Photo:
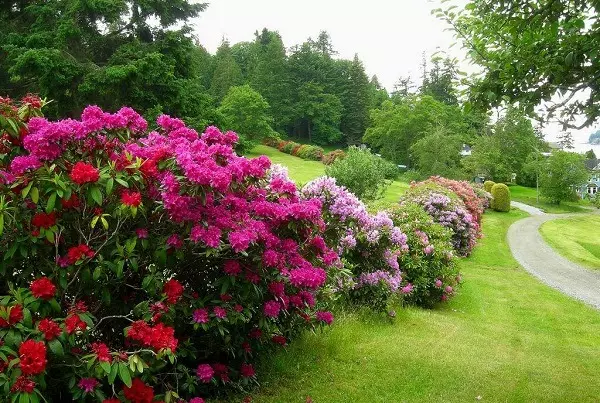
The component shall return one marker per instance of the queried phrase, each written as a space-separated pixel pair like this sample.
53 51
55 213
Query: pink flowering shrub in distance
370 245
474 201
145 266
447 209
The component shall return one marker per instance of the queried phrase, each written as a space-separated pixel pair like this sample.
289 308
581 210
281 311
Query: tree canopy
534 52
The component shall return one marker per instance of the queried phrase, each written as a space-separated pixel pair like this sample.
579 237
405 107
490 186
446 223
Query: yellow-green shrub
487 186
501 195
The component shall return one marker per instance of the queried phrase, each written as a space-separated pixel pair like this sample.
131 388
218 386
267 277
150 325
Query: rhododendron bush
447 209
370 246
140 266
430 264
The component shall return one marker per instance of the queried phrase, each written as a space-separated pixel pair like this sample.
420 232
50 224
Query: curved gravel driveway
538 258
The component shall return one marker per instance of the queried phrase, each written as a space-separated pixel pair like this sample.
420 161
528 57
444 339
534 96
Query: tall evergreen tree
227 73
378 93
271 77
356 101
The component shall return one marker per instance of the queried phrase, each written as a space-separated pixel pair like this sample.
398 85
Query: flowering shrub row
448 210
141 266
304 151
370 246
331 156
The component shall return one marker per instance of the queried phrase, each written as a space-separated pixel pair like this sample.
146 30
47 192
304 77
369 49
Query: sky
389 36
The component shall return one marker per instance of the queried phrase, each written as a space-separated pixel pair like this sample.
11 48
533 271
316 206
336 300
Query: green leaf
51 202
104 223
105 366
50 236
1 224
124 374
123 183
94 221
96 195
25 191
109 185
35 195
56 347
114 370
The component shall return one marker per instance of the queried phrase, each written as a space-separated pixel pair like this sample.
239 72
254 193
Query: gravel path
538 258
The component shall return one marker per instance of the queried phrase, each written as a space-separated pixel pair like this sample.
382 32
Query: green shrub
331 156
501 195
289 147
310 152
429 264
361 172
487 186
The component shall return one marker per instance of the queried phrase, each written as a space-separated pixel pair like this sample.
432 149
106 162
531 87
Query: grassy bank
504 337
529 196
575 238
302 171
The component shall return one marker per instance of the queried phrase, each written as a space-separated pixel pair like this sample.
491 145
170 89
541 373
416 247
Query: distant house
466 150
591 188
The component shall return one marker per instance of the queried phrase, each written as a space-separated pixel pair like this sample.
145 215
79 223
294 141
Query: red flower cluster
78 252
23 384
84 173
139 392
173 290
15 316
132 199
72 202
102 352
43 220
74 323
50 328
157 337
43 288
33 357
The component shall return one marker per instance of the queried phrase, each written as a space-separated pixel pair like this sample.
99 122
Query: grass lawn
504 337
575 238
302 171
528 196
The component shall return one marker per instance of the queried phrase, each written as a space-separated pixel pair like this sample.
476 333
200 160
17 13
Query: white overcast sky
389 36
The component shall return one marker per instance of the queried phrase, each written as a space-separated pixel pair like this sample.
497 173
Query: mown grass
528 196
576 238
302 171
504 337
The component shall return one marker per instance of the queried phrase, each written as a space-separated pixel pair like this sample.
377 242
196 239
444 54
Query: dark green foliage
109 52
501 197
590 155
487 186
226 74
561 174
356 101
361 172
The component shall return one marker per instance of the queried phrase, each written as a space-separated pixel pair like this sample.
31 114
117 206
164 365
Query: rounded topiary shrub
487 186
147 264
501 194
